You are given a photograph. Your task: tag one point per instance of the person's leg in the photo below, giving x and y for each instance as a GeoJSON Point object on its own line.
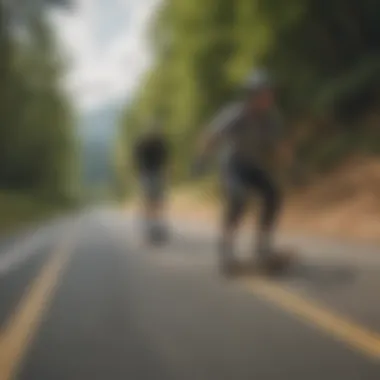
{"type": "Point", "coordinates": [145, 195]}
{"type": "Point", "coordinates": [158, 205]}
{"type": "Point", "coordinates": [149, 202]}
{"type": "Point", "coordinates": [270, 193]}
{"type": "Point", "coordinates": [154, 199]}
{"type": "Point", "coordinates": [235, 201]}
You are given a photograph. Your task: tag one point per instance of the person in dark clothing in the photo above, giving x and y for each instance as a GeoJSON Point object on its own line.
{"type": "Point", "coordinates": [151, 161]}
{"type": "Point", "coordinates": [251, 133]}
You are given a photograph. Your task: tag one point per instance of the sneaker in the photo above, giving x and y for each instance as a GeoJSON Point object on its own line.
{"type": "Point", "coordinates": [162, 233]}
{"type": "Point", "coordinates": [230, 267]}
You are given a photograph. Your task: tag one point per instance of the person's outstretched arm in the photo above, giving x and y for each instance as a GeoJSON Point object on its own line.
{"type": "Point", "coordinates": [219, 129]}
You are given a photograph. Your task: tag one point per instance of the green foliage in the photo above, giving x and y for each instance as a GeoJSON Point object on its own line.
{"type": "Point", "coordinates": [38, 150]}
{"type": "Point", "coordinates": [324, 55]}
{"type": "Point", "coordinates": [18, 209]}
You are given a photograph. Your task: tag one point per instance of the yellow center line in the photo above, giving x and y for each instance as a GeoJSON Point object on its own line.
{"type": "Point", "coordinates": [21, 327]}
{"type": "Point", "coordinates": [355, 336]}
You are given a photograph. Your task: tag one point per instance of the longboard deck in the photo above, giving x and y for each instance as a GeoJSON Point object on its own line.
{"type": "Point", "coordinates": [278, 264]}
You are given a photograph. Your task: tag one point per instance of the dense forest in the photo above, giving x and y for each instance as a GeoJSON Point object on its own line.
{"type": "Point", "coordinates": [324, 56]}
{"type": "Point", "coordinates": [38, 148]}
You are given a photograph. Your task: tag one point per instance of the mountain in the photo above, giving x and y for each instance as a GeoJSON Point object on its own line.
{"type": "Point", "coordinates": [97, 130]}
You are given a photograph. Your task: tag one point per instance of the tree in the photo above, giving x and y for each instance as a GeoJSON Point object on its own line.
{"type": "Point", "coordinates": [37, 137]}
{"type": "Point", "coordinates": [323, 54]}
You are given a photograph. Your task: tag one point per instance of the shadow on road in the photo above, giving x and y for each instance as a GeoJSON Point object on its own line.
{"type": "Point", "coordinates": [317, 275]}
{"type": "Point", "coordinates": [324, 275]}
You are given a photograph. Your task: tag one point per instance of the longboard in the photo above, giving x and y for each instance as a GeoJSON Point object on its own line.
{"type": "Point", "coordinates": [279, 263]}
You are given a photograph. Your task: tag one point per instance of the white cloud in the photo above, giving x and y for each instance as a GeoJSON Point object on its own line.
{"type": "Point", "coordinates": [105, 41]}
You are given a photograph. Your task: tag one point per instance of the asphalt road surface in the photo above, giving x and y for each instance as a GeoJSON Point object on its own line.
{"type": "Point", "coordinates": [84, 299]}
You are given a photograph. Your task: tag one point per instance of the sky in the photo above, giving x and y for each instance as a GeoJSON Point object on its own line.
{"type": "Point", "coordinates": [105, 41]}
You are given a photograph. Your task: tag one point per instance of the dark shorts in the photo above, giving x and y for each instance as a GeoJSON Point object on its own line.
{"type": "Point", "coordinates": [240, 181]}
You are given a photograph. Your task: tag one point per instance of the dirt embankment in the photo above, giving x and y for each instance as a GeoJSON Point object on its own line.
{"type": "Point", "coordinates": [344, 203]}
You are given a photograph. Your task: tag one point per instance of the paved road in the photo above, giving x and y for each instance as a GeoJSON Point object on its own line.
{"type": "Point", "coordinates": [83, 298]}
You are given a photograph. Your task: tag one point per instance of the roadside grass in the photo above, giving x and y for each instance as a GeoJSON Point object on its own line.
{"type": "Point", "coordinates": [18, 210]}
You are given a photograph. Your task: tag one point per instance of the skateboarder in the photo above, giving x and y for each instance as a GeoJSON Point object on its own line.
{"type": "Point", "coordinates": [252, 135]}
{"type": "Point", "coordinates": [151, 159]}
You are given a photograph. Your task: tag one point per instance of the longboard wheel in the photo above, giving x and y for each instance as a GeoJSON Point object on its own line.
{"type": "Point", "coordinates": [230, 268]}
{"type": "Point", "coordinates": [279, 261]}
